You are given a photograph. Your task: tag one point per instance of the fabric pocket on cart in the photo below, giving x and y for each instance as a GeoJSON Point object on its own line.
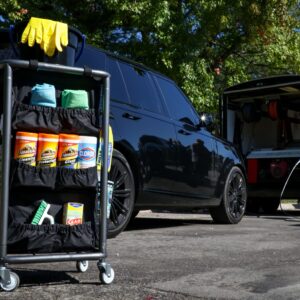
{"type": "Point", "coordinates": [77, 178]}
{"type": "Point", "coordinates": [54, 120]}
{"type": "Point", "coordinates": [28, 238]}
{"type": "Point", "coordinates": [35, 118]}
{"type": "Point", "coordinates": [79, 121]}
{"type": "Point", "coordinates": [24, 175]}
{"type": "Point", "coordinates": [78, 237]}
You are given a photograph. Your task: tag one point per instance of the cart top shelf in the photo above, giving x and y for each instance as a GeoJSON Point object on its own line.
{"type": "Point", "coordinates": [41, 66]}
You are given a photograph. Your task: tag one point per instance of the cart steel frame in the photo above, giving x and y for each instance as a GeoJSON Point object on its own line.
{"type": "Point", "coordinates": [5, 274]}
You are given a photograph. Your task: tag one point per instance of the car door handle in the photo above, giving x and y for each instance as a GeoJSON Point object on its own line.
{"type": "Point", "coordinates": [130, 117]}
{"type": "Point", "coordinates": [181, 131]}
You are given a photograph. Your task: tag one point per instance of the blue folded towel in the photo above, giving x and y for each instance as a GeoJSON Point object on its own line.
{"type": "Point", "coordinates": [43, 95]}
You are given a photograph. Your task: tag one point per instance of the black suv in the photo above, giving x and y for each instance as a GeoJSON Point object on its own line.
{"type": "Point", "coordinates": [164, 158]}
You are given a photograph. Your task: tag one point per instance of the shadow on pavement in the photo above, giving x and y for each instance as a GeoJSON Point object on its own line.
{"type": "Point", "coordinates": [289, 215]}
{"type": "Point", "coordinates": [32, 277]}
{"type": "Point", "coordinates": [153, 223]}
{"type": "Point", "coordinates": [142, 223]}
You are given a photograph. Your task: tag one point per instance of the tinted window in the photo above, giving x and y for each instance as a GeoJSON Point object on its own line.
{"type": "Point", "coordinates": [92, 58]}
{"type": "Point", "coordinates": [117, 86]}
{"type": "Point", "coordinates": [141, 88]}
{"type": "Point", "coordinates": [178, 106]}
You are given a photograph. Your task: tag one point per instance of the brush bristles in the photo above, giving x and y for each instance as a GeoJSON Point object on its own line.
{"type": "Point", "coordinates": [39, 213]}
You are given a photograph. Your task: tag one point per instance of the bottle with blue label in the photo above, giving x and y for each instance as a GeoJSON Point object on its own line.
{"type": "Point", "coordinates": [87, 149]}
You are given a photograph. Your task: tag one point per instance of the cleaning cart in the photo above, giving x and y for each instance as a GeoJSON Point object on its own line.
{"type": "Point", "coordinates": [26, 187]}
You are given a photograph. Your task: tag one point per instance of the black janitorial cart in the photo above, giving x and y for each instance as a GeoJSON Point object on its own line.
{"type": "Point", "coordinates": [25, 186]}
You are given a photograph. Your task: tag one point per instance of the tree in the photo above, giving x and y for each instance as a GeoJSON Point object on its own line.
{"type": "Point", "coordinates": [203, 45]}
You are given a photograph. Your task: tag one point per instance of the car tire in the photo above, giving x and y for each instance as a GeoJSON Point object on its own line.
{"type": "Point", "coordinates": [233, 205]}
{"type": "Point", "coordinates": [123, 197]}
{"type": "Point", "coordinates": [134, 214]}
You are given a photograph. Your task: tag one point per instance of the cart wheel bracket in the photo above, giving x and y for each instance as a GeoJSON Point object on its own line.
{"type": "Point", "coordinates": [104, 268]}
{"type": "Point", "coordinates": [107, 273]}
{"type": "Point", "coordinates": [11, 283]}
{"type": "Point", "coordinates": [4, 276]}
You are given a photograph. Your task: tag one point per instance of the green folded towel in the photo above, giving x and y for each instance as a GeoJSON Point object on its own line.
{"type": "Point", "coordinates": [75, 99]}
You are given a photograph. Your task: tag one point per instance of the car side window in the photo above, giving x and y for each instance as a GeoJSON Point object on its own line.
{"type": "Point", "coordinates": [141, 88]}
{"type": "Point", "coordinates": [117, 86]}
{"type": "Point", "coordinates": [92, 57]}
{"type": "Point", "coordinates": [178, 106]}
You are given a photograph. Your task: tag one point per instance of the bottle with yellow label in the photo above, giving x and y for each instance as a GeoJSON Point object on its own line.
{"type": "Point", "coordinates": [68, 150]}
{"type": "Point", "coordinates": [110, 150]}
{"type": "Point", "coordinates": [47, 150]}
{"type": "Point", "coordinates": [26, 147]}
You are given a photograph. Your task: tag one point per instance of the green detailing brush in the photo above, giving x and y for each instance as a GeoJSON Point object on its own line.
{"type": "Point", "coordinates": [42, 214]}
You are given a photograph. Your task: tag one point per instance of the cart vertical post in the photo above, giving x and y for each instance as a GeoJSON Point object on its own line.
{"type": "Point", "coordinates": [5, 160]}
{"type": "Point", "coordinates": [103, 183]}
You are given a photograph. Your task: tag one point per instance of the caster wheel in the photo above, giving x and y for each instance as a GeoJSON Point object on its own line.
{"type": "Point", "coordinates": [14, 283]}
{"type": "Point", "coordinates": [105, 279]}
{"type": "Point", "coordinates": [82, 266]}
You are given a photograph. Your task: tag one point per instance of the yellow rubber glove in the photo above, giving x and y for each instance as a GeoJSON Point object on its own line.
{"type": "Point", "coordinates": [48, 41]}
{"type": "Point", "coordinates": [33, 32]}
{"type": "Point", "coordinates": [49, 34]}
{"type": "Point", "coordinates": [61, 35]}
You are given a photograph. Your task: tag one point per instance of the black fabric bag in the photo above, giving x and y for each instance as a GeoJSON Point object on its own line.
{"type": "Point", "coordinates": [34, 118]}
{"type": "Point", "coordinates": [79, 121]}
{"type": "Point", "coordinates": [77, 179]}
{"type": "Point", "coordinates": [28, 238]}
{"type": "Point", "coordinates": [80, 237]}
{"type": "Point", "coordinates": [24, 175]}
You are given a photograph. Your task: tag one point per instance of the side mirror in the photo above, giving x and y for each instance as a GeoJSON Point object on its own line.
{"type": "Point", "coordinates": [209, 122]}
{"type": "Point", "coordinates": [205, 120]}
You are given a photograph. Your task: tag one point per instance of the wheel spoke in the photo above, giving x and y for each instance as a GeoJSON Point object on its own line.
{"type": "Point", "coordinates": [241, 183]}
{"type": "Point", "coordinates": [114, 216]}
{"type": "Point", "coordinates": [121, 207]}
{"type": "Point", "coordinates": [231, 188]}
{"type": "Point", "coordinates": [236, 181]}
{"type": "Point", "coordinates": [236, 208]}
{"type": "Point", "coordinates": [113, 173]}
{"type": "Point", "coordinates": [122, 193]}
{"type": "Point", "coordinates": [231, 198]}
{"type": "Point", "coordinates": [120, 180]}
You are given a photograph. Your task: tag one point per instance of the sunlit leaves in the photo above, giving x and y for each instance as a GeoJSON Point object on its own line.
{"type": "Point", "coordinates": [205, 46]}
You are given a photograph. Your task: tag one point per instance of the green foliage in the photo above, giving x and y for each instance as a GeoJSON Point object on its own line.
{"type": "Point", "coordinates": [10, 10]}
{"type": "Point", "coordinates": [205, 46]}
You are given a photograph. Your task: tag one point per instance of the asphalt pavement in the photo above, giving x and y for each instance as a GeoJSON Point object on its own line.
{"type": "Point", "coordinates": [182, 256]}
